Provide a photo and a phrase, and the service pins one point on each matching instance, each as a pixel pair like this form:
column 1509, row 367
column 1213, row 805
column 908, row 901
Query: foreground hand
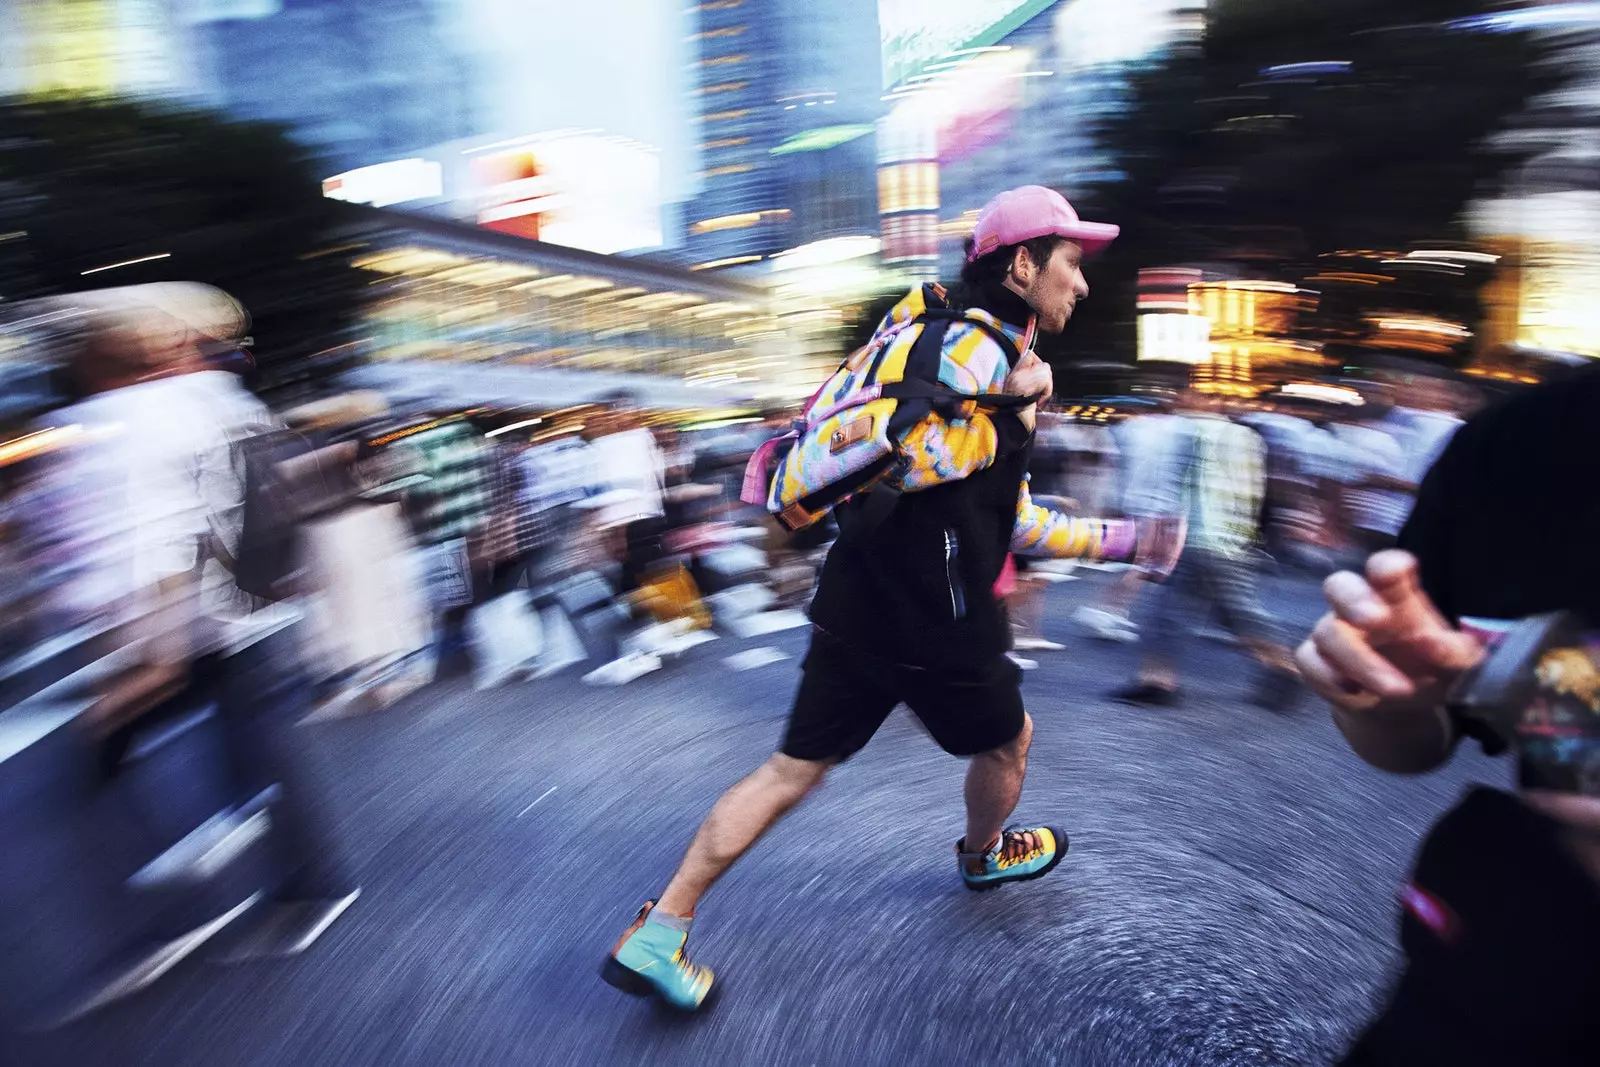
column 1031, row 376
column 1383, row 642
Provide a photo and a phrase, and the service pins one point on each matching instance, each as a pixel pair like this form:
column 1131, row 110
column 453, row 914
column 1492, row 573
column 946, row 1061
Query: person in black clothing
column 905, row 612
column 1501, row 923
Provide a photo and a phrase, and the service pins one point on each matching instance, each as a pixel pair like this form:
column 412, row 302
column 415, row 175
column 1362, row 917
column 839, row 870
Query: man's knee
column 1015, row 750
column 793, row 778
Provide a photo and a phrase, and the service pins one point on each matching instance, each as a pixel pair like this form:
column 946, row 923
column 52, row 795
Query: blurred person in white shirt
column 1152, row 449
column 1220, row 476
column 631, row 474
column 157, row 510
column 1379, row 488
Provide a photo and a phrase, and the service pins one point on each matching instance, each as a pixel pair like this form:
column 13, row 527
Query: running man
column 905, row 612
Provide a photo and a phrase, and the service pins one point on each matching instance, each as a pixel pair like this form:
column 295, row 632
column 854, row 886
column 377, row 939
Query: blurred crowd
column 335, row 556
column 589, row 525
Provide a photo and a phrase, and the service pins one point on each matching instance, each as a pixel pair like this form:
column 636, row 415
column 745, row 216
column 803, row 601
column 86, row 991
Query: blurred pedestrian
column 1154, row 458
column 630, row 472
column 156, row 520
column 1221, row 485
column 368, row 619
column 449, row 504
column 557, row 474
column 1378, row 491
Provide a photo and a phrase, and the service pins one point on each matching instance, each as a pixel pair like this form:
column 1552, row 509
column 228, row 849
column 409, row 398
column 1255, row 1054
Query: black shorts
column 846, row 695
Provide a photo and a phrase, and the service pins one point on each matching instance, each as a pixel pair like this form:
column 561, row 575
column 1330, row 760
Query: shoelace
column 1016, row 844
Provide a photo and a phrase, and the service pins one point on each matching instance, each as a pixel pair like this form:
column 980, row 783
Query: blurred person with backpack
column 905, row 609
column 174, row 541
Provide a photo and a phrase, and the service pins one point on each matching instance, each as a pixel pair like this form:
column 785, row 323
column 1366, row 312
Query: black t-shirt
column 1501, row 926
column 1507, row 523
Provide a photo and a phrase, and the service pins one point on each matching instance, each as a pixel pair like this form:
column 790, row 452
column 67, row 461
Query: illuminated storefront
column 564, row 325
column 822, row 293
column 1545, row 296
column 1238, row 335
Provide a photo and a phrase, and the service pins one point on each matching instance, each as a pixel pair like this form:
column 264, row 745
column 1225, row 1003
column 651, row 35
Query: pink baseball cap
column 1030, row 211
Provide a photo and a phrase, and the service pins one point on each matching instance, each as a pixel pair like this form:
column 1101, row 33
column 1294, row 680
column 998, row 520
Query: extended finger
column 1328, row 683
column 1394, row 577
column 1353, row 599
column 1346, row 650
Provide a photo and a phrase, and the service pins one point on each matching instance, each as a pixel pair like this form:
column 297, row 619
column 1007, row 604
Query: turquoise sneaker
column 649, row 961
column 1018, row 856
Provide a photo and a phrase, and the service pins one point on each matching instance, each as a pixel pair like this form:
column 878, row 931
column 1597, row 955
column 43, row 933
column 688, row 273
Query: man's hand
column 1385, row 658
column 1031, row 376
column 1160, row 545
column 1384, row 640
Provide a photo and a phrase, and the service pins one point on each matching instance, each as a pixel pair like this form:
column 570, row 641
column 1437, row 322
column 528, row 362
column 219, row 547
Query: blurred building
column 476, row 316
column 95, row 47
column 989, row 96
column 1240, row 337
column 1546, row 225
column 361, row 82
column 785, row 95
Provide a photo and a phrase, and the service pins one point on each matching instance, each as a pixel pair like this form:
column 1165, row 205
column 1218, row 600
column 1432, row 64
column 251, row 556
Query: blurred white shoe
column 1106, row 625
column 209, row 847
column 1036, row 644
column 624, row 669
column 1022, row 662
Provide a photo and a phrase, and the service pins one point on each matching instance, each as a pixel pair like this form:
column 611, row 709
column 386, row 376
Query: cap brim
column 1093, row 236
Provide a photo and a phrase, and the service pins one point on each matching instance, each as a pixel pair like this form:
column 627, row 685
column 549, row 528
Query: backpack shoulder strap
column 920, row 383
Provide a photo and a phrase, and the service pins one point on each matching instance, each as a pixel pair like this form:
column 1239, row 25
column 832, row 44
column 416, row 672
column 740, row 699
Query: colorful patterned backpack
column 847, row 440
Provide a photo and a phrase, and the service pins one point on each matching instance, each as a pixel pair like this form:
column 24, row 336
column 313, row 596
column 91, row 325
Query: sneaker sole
column 1063, row 842
column 634, row 984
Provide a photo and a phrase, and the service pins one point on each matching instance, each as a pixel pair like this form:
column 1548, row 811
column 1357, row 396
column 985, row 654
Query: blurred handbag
column 671, row 594
column 505, row 637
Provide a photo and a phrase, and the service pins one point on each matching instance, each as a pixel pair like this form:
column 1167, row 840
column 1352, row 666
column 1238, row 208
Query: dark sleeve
column 1427, row 533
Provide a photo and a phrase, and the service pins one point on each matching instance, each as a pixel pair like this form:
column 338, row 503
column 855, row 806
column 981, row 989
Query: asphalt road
column 1228, row 899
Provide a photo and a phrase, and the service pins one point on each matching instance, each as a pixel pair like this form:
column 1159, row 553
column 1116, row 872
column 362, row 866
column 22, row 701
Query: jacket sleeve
column 947, row 450
column 1042, row 532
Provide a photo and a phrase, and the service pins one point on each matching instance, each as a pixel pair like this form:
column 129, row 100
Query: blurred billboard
column 918, row 34
column 401, row 181
column 1095, row 33
column 584, row 190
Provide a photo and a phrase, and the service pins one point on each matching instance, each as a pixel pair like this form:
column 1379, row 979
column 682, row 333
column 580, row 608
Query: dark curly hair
column 989, row 271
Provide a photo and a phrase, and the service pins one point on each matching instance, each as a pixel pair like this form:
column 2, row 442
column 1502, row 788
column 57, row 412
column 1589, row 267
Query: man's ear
column 1022, row 265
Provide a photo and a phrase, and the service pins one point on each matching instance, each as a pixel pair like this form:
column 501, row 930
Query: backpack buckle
column 795, row 517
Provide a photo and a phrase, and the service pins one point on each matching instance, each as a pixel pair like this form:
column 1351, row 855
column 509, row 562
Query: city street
column 1228, row 898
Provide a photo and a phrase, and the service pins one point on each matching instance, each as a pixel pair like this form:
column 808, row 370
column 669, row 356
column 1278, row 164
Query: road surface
column 1229, row 897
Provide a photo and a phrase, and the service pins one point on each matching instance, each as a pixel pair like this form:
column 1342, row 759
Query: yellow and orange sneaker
column 1017, row 856
column 649, row 960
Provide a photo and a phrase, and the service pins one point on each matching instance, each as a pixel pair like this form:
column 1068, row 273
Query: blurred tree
column 87, row 184
column 1292, row 130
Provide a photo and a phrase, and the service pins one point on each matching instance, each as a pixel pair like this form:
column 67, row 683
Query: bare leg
column 736, row 822
column 994, row 785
